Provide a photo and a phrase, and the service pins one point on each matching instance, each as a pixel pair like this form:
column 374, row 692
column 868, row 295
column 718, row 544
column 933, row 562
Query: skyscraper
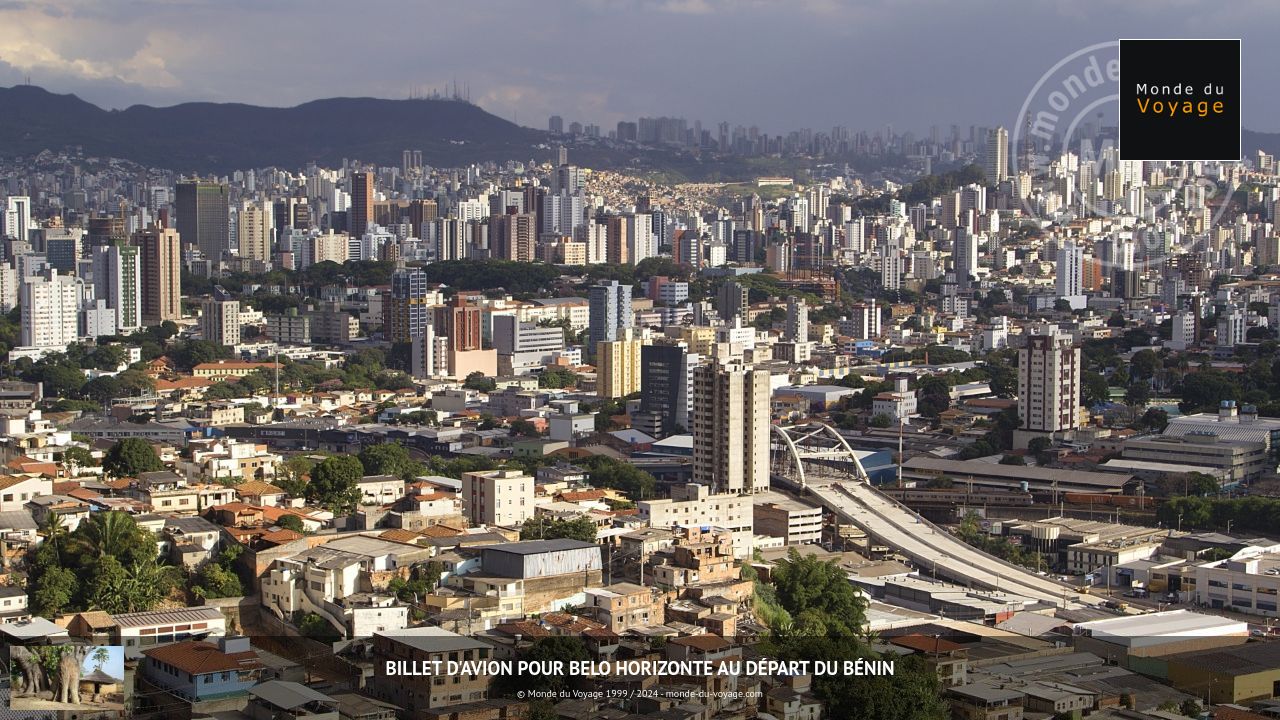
column 50, row 310
column 361, row 212
column 610, row 309
column 666, row 390
column 1048, row 383
column 204, row 216
column 966, row 256
column 161, row 254
column 220, row 318
column 996, row 160
column 731, row 428
column 406, row 311
column 117, row 279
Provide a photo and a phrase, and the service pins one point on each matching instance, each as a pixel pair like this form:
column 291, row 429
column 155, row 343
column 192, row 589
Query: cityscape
column 645, row 417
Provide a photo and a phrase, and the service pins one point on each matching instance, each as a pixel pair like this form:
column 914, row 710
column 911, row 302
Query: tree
column 1042, row 448
column 1137, row 394
column 113, row 533
column 805, row 583
column 1062, row 305
column 1010, row 459
column 479, row 381
column 524, row 428
column 540, row 528
column 52, row 591
column 557, row 377
column 129, row 457
column 317, row 628
column 1093, row 389
column 1156, row 419
column 935, row 395
column 101, row 389
column 334, row 483
column 292, row 522
column 291, row 475
column 76, row 458
column 386, row 459
column 880, row 421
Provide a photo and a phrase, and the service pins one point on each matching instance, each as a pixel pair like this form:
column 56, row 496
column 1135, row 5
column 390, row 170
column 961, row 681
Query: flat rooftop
column 1161, row 627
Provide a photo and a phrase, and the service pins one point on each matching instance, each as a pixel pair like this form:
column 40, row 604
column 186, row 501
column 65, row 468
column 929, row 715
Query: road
column 929, row 546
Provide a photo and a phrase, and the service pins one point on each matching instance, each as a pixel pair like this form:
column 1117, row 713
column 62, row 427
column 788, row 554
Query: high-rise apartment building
column 996, row 160
column 360, row 213
column 796, row 328
column 220, row 318
column 1070, row 270
column 610, row 308
column 514, row 236
column 461, row 324
column 617, row 246
column 254, row 228
column 731, row 301
column 731, row 427
column 1049, row 382
column 204, row 216
column 618, row 365
column 50, row 310
column 17, row 217
column 117, row 279
column 161, row 265
column 406, row 311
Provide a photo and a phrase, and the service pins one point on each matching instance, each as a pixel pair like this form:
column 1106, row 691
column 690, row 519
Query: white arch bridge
column 816, row 461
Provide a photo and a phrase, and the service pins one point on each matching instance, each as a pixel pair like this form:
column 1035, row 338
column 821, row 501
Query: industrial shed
column 540, row 558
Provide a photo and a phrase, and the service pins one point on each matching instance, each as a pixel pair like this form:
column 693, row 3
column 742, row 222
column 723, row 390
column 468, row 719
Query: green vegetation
column 333, row 484
column 818, row 596
column 422, row 580
column 129, row 457
column 605, row 472
column 1252, row 514
column 389, row 459
column 219, row 579
column 540, row 528
column 971, row 532
column 108, row 563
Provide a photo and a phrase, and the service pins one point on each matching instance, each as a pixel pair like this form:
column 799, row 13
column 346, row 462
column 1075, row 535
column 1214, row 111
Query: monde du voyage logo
column 1180, row 100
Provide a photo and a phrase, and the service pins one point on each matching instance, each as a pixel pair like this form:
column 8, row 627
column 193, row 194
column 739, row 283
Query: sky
column 776, row 64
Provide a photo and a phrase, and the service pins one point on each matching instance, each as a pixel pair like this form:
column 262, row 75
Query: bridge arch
column 791, row 446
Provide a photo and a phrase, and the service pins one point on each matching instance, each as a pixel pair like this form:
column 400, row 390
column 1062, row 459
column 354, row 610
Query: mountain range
column 222, row 137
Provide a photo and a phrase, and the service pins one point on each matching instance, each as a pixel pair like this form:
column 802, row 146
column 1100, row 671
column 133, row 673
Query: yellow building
column 618, row 368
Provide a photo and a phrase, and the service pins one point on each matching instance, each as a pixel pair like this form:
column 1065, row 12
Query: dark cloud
column 778, row 65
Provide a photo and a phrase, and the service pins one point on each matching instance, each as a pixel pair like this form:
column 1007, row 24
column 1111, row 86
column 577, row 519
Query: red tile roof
column 198, row 657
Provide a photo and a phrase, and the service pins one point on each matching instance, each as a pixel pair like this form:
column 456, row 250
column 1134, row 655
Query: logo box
column 1180, row 100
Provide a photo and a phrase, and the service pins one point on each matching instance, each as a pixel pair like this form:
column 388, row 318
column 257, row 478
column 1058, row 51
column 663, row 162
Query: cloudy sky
column 778, row 64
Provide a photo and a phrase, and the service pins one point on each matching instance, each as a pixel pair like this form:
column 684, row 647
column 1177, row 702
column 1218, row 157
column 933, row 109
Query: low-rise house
column 16, row 490
column 203, row 671
column 136, row 631
column 380, row 489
